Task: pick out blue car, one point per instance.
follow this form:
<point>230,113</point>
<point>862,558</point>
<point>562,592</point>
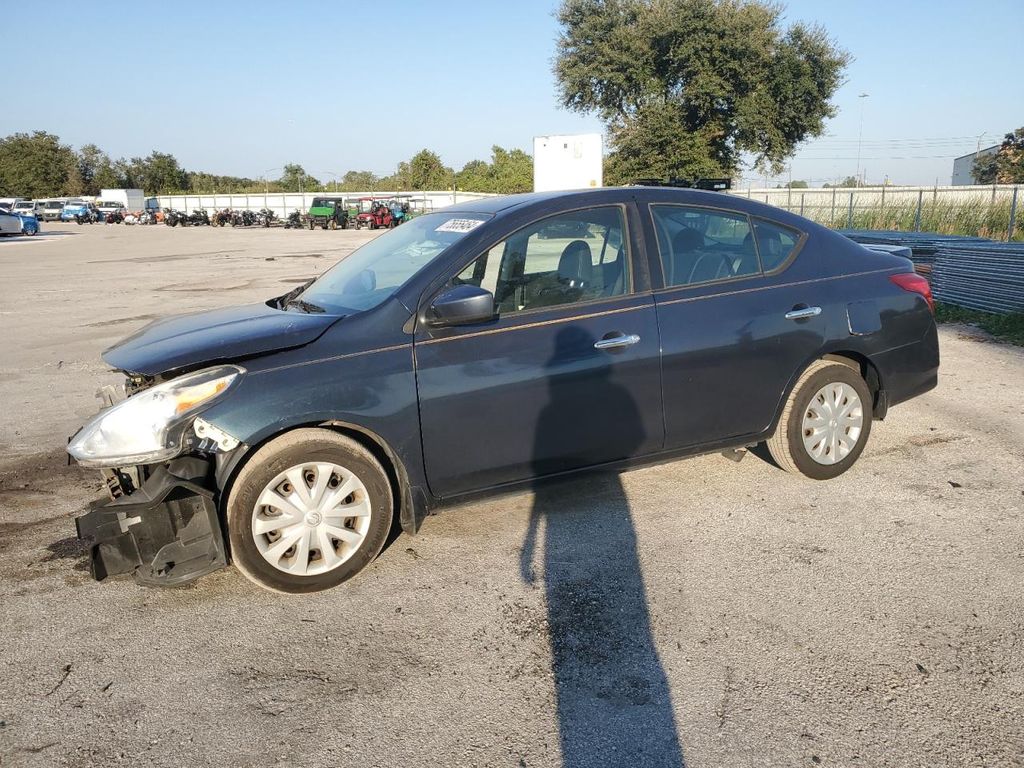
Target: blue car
<point>489,345</point>
<point>80,211</point>
<point>17,224</point>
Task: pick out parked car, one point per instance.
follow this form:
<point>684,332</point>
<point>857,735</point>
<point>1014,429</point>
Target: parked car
<point>78,210</point>
<point>17,224</point>
<point>28,208</point>
<point>482,347</point>
<point>52,210</point>
<point>106,207</point>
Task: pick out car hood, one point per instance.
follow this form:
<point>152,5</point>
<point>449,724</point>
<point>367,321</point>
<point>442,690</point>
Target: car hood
<point>187,341</point>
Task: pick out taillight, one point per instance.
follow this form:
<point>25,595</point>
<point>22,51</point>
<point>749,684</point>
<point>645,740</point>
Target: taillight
<point>913,282</point>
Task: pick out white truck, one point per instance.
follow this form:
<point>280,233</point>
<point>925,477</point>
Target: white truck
<point>130,199</point>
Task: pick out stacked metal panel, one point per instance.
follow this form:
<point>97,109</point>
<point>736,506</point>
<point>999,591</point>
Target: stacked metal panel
<point>972,272</point>
<point>989,276</point>
<point>924,245</point>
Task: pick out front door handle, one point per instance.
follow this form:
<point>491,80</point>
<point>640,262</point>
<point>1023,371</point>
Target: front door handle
<point>802,313</point>
<point>617,341</point>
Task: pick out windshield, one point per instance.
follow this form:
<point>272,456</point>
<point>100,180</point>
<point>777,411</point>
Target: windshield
<point>319,202</point>
<point>374,272</point>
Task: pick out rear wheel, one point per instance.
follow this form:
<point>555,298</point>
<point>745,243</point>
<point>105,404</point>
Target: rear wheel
<point>308,511</point>
<point>826,422</point>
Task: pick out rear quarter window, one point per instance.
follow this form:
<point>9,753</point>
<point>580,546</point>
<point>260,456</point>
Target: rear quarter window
<point>775,243</point>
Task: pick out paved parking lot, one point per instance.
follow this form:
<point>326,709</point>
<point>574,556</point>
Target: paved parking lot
<point>701,612</point>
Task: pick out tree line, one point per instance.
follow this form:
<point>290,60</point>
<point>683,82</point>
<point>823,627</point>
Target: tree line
<point>38,165</point>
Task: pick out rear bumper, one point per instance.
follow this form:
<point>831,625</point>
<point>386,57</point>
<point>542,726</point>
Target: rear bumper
<point>166,533</point>
<point>910,370</point>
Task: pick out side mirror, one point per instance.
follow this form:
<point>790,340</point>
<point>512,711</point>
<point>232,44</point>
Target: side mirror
<point>461,305</point>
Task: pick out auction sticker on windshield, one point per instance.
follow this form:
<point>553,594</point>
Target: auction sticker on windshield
<point>460,225</point>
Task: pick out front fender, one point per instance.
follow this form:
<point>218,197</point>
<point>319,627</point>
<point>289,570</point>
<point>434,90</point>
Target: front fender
<point>371,395</point>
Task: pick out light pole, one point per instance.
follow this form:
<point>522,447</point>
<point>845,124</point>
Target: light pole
<point>266,181</point>
<point>860,134</point>
<point>335,175</point>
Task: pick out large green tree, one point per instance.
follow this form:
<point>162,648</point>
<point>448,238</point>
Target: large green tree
<point>294,179</point>
<point>1006,165</point>
<point>359,181</point>
<point>510,171</point>
<point>689,87</point>
<point>425,171</point>
<point>159,173</point>
<point>96,171</point>
<point>37,165</point>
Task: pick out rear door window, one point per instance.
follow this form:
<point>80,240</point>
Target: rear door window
<point>702,245</point>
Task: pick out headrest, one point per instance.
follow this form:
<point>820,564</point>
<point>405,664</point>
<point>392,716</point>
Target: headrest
<point>575,264</point>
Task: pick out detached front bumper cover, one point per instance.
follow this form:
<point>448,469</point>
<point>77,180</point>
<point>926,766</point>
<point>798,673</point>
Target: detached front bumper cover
<point>165,533</point>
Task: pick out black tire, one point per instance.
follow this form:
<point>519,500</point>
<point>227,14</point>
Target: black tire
<point>289,450</point>
<point>786,446</point>
<point>311,225</point>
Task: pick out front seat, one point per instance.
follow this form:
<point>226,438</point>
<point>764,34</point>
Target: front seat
<point>573,278</point>
<point>576,266</point>
<point>685,247</point>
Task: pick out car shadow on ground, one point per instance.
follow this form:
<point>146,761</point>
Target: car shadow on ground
<point>613,699</point>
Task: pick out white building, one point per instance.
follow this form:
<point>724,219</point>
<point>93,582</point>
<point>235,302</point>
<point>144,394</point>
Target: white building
<point>567,162</point>
<point>963,166</point>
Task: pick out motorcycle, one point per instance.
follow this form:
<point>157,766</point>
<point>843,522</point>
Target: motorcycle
<point>265,217</point>
<point>294,221</point>
<point>199,217</point>
<point>114,217</point>
<point>220,218</point>
<point>146,217</point>
<point>173,218</point>
<point>89,217</point>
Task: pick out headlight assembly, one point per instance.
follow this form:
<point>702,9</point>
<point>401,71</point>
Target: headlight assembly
<point>150,425</point>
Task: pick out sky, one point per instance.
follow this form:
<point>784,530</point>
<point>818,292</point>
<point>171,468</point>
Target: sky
<point>243,88</point>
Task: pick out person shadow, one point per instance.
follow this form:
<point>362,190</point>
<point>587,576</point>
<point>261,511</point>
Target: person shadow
<point>614,703</point>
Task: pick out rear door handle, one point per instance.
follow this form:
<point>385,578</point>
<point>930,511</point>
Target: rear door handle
<point>618,341</point>
<point>803,313</point>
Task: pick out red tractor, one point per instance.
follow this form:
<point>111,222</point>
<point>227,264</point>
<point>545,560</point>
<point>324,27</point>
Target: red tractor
<point>374,213</point>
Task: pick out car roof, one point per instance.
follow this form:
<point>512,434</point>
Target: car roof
<point>503,205</point>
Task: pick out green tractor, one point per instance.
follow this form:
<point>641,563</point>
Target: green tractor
<point>328,213</point>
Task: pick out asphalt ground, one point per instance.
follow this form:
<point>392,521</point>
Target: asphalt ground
<point>700,612</point>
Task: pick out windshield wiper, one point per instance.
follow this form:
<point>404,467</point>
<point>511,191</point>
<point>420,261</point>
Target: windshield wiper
<point>305,306</point>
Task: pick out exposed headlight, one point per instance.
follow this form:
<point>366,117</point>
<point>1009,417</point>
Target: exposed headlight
<point>149,426</point>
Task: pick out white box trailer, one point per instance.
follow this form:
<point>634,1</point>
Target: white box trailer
<point>132,199</point>
<point>573,161</point>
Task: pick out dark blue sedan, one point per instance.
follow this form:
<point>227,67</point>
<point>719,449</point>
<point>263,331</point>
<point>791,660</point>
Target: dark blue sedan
<point>488,345</point>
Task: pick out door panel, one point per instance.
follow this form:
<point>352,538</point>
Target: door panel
<point>530,395</point>
<point>729,357</point>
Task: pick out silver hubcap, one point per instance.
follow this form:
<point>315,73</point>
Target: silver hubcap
<point>832,423</point>
<point>311,518</point>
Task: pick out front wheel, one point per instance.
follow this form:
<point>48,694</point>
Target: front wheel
<point>826,422</point>
<point>308,511</point>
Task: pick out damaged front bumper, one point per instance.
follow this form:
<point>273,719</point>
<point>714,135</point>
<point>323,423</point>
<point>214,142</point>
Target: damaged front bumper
<point>166,532</point>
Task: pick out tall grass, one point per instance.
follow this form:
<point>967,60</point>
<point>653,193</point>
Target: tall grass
<point>948,218</point>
